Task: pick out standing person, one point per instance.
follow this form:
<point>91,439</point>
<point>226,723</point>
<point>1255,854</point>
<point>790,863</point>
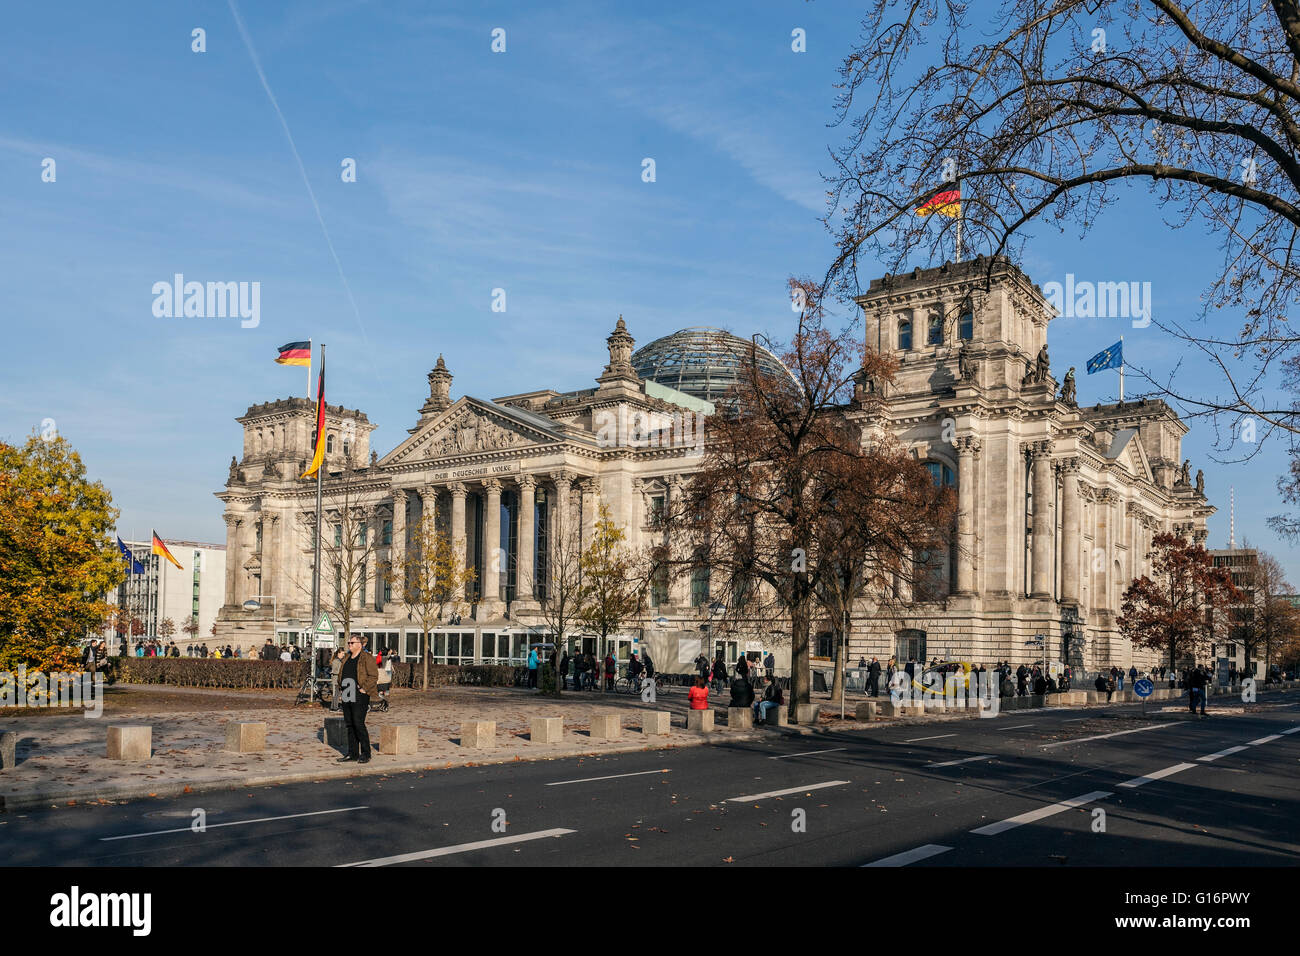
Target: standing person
<point>649,665</point>
<point>296,653</point>
<point>591,675</point>
<point>532,667</point>
<point>769,663</point>
<point>1132,674</point>
<point>358,682</point>
<point>873,678</point>
<point>336,668</point>
<point>719,672</point>
<point>702,666</point>
<point>742,667</point>
<point>385,681</point>
<point>564,669</point>
<point>579,670</point>
<point>285,654</point>
<point>611,668</point>
<point>699,694</point>
<point>1196,682</point>
<point>1022,678</point>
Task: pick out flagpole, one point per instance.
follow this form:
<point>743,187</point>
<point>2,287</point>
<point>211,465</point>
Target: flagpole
<point>315,567</point>
<point>1121,370</point>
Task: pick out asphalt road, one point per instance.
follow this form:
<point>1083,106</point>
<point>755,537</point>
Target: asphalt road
<point>1022,789</point>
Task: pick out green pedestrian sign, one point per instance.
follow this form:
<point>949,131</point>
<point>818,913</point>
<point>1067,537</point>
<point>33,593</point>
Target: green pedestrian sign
<point>325,625</point>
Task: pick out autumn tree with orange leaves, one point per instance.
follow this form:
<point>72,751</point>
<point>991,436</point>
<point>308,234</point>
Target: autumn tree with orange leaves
<point>789,494</point>
<point>57,557</point>
<point>1177,608</point>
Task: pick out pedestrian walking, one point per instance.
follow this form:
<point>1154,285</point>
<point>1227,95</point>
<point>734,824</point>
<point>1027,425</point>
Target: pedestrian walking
<point>532,667</point>
<point>358,682</point>
<point>1196,689</point>
<point>719,673</point>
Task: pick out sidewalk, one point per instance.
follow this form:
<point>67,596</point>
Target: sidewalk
<point>62,754</point>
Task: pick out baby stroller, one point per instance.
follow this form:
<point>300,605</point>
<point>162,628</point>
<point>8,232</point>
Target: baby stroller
<point>380,701</point>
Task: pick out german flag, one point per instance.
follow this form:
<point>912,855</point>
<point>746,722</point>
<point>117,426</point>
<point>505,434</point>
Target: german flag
<point>319,456</point>
<point>946,203</point>
<point>295,353</point>
<point>161,549</point>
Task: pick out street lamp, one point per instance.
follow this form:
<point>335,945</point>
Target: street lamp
<point>254,604</point>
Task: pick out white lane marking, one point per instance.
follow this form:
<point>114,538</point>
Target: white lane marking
<point>460,848</point>
<point>1033,816</point>
<point>1221,753</point>
<point>1263,740</point>
<point>784,793</point>
<point>1016,727</point>
<point>953,763</point>
<point>807,753</point>
<point>1075,720</point>
<point>911,856</point>
<point>233,823</point>
<point>1118,733</point>
<point>917,740</point>
<point>639,773</point>
<point>1293,730</point>
<point>1157,775</point>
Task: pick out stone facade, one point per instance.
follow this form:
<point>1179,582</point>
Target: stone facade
<point>1058,503</point>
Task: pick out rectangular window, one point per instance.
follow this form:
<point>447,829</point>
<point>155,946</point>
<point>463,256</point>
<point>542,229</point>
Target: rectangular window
<point>656,511</point>
<point>659,587</point>
<point>388,532</point>
<point>338,536</point>
<point>699,587</point>
<point>362,584</point>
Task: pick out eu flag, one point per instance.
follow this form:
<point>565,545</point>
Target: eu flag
<point>136,566</point>
<point>1112,357</point>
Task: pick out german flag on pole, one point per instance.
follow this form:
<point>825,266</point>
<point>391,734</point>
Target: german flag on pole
<point>161,549</point>
<point>295,353</point>
<point>319,456</point>
<point>947,203</point>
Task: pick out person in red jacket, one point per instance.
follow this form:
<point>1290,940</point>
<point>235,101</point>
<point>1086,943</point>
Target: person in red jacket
<point>699,695</point>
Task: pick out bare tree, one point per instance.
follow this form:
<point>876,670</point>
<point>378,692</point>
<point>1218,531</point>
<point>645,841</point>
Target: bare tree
<point>561,608</point>
<point>349,549</point>
<point>432,577</point>
<point>1054,109</point>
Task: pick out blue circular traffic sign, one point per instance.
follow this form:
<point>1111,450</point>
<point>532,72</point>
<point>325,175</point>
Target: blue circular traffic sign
<point>1143,688</point>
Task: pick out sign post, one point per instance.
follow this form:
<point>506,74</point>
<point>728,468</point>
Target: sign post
<point>1143,689</point>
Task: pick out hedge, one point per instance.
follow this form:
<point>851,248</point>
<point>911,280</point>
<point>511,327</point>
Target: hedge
<point>214,672</point>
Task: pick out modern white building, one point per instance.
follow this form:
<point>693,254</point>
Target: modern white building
<point>165,592</point>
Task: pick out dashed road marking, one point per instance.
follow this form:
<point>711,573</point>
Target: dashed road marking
<point>911,856</point>
<point>783,793</point>
<point>953,763</point>
<point>1157,775</point>
<point>460,848</point>
<point>1033,816</point>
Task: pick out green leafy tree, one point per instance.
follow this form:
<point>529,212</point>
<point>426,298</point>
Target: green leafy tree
<point>57,556</point>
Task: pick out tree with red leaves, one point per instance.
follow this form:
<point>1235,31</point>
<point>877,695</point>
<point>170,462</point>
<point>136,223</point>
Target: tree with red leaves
<point>1178,607</point>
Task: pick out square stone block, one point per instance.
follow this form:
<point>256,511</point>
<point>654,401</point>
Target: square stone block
<point>336,733</point>
<point>869,710</point>
<point>606,727</point>
<point>478,734</point>
<point>656,723</point>
<point>1037,700</point>
<point>808,713</point>
<point>8,750</point>
<point>130,742</point>
<point>740,718</point>
<point>935,703</point>
<point>546,730</point>
<point>699,721</point>
<point>887,708</point>
<point>777,716</point>
<point>245,737</point>
<point>399,739</point>
<point>913,709</point>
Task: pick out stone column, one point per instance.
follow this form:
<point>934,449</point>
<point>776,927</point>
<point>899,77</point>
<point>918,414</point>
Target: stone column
<point>967,452</point>
<point>1071,530</point>
<point>271,552</point>
<point>232,559</point>
<point>590,495</point>
<point>526,538</point>
<point>563,488</point>
<point>1040,453</point>
<point>458,496</point>
<point>678,582</point>
<point>1106,536</point>
<point>397,550</point>
<point>492,559</point>
<point>370,554</point>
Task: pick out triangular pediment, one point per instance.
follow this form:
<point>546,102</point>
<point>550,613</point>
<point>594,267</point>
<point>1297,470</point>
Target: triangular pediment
<point>1127,451</point>
<point>472,426</point>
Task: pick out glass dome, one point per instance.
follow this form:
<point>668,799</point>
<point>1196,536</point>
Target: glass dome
<point>702,362</point>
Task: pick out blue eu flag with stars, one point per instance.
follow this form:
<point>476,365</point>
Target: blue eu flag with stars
<point>1112,357</point>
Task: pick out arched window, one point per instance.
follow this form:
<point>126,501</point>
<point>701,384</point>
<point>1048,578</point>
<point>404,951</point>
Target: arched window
<point>934,331</point>
<point>329,443</point>
<point>905,334</point>
<point>966,324</point>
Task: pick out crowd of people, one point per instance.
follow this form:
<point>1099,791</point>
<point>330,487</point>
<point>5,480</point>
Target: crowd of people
<point>155,647</point>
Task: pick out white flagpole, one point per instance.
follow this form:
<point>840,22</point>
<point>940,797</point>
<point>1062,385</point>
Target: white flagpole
<point>1121,370</point>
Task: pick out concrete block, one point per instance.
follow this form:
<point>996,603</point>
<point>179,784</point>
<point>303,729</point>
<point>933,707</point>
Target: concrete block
<point>776,717</point>
<point>245,737</point>
<point>478,734</point>
<point>1037,700</point>
<point>699,721</point>
<point>399,739</point>
<point>130,742</point>
<point>1078,698</point>
<point>1013,703</point>
<point>808,713</point>
<point>739,718</point>
<point>868,710</point>
<point>546,730</point>
<point>887,708</point>
<point>606,727</point>
<point>656,723</point>
<point>336,733</point>
<point>913,708</point>
<point>8,750</point>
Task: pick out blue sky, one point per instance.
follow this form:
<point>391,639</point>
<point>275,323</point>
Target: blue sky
<point>475,171</point>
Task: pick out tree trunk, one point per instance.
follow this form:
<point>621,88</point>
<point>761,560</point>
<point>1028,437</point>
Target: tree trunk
<point>424,656</point>
<point>800,681</point>
<point>837,683</point>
